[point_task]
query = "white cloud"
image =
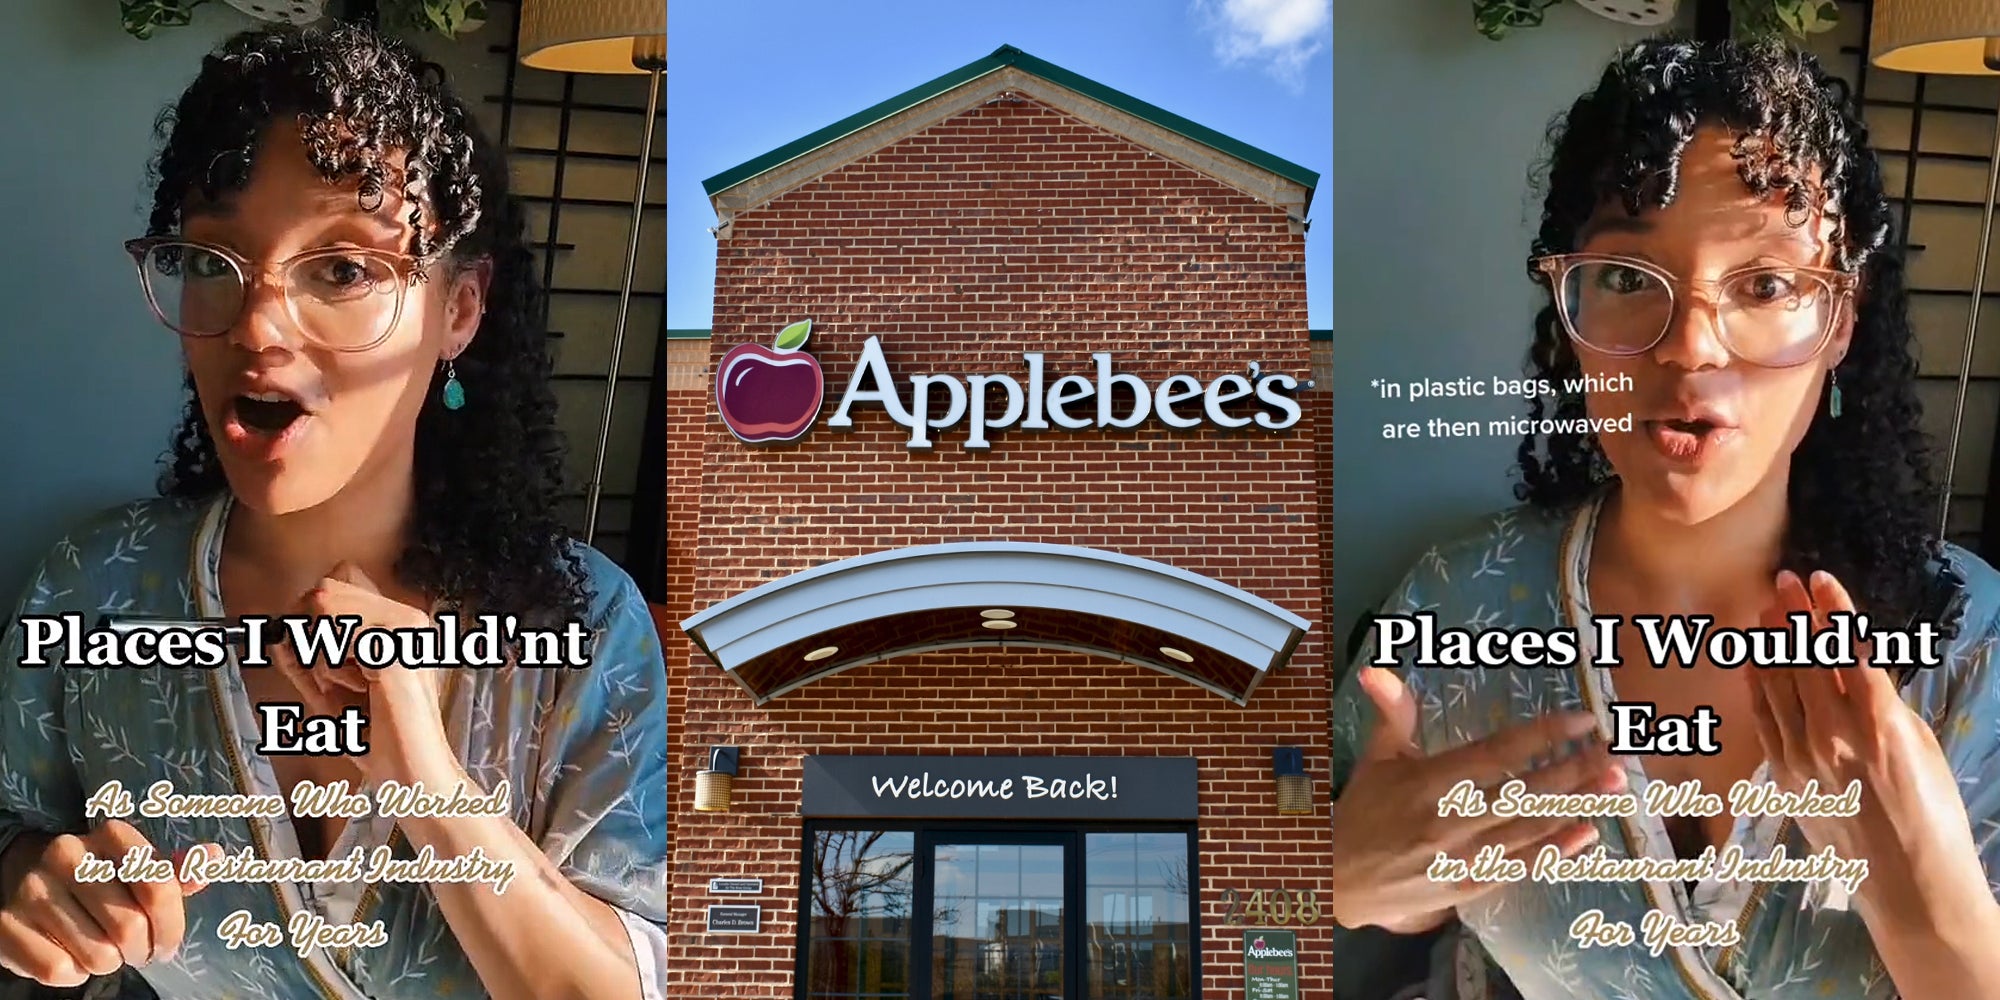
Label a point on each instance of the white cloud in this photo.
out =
(1282, 35)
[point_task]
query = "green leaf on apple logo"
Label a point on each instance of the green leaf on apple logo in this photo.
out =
(791, 338)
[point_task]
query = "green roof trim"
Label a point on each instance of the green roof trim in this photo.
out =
(1007, 55)
(1314, 335)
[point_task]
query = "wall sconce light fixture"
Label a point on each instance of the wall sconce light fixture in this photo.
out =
(712, 785)
(1295, 790)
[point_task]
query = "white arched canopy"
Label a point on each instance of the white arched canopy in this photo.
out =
(792, 631)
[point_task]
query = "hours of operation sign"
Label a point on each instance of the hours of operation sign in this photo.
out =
(1270, 965)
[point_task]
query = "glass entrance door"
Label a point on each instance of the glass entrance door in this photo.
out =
(962, 912)
(1000, 928)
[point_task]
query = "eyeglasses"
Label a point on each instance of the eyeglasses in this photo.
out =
(1771, 316)
(341, 298)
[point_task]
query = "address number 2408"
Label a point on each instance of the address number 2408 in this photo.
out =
(1270, 907)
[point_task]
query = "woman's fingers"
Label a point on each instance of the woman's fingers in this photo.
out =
(1824, 706)
(1868, 689)
(97, 949)
(1793, 597)
(1524, 836)
(1838, 705)
(1402, 835)
(29, 952)
(1511, 752)
(1829, 595)
(1591, 771)
(1575, 773)
(1781, 687)
(1569, 837)
(318, 686)
(144, 917)
(1801, 711)
(1768, 736)
(1395, 733)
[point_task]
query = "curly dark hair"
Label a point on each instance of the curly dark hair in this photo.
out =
(1861, 491)
(489, 476)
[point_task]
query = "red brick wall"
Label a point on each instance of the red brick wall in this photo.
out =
(1321, 410)
(687, 406)
(1009, 228)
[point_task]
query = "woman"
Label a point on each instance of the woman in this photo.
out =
(371, 432)
(1715, 231)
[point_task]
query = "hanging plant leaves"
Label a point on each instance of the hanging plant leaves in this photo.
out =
(139, 18)
(1751, 19)
(450, 18)
(1808, 17)
(1495, 18)
(1754, 19)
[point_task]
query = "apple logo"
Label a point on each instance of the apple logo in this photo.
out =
(1257, 944)
(770, 394)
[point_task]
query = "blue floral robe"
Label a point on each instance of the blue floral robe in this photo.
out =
(1799, 940)
(583, 751)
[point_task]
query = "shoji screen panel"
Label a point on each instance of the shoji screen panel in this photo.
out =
(1932, 135)
(574, 141)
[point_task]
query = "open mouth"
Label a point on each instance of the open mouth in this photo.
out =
(267, 412)
(264, 424)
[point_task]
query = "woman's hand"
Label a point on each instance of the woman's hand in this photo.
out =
(405, 720)
(1836, 726)
(59, 931)
(507, 936)
(1386, 827)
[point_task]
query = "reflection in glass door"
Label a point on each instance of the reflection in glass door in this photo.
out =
(954, 911)
(1138, 939)
(998, 922)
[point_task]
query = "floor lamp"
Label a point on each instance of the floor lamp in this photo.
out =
(1957, 38)
(604, 36)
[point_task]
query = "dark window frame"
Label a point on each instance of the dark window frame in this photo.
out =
(924, 835)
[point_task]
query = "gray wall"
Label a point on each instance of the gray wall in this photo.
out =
(1435, 130)
(89, 383)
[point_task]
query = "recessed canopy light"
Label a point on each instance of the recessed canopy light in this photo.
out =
(1177, 654)
(999, 623)
(821, 653)
(996, 613)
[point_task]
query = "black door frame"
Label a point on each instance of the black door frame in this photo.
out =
(924, 894)
(926, 834)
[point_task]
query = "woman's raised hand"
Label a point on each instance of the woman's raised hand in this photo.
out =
(1386, 827)
(1837, 726)
(402, 701)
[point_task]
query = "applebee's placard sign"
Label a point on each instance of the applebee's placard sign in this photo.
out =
(773, 394)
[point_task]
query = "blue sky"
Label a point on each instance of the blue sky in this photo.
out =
(747, 76)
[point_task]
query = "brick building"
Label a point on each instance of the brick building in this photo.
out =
(999, 512)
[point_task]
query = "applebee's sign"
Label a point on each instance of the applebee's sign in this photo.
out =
(770, 395)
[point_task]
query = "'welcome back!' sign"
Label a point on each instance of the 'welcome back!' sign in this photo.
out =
(1155, 788)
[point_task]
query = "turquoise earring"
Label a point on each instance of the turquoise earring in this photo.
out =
(454, 393)
(1833, 394)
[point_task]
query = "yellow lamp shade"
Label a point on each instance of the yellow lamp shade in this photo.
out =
(712, 791)
(594, 36)
(1957, 37)
(1295, 795)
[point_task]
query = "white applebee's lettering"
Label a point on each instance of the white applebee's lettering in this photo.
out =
(936, 402)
